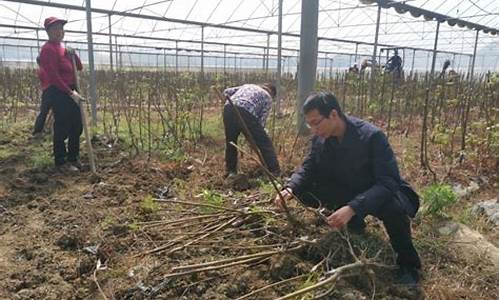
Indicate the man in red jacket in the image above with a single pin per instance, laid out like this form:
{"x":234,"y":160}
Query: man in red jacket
{"x":59,"y":84}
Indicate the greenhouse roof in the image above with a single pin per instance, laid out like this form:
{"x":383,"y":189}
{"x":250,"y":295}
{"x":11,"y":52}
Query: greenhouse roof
{"x":343,"y":25}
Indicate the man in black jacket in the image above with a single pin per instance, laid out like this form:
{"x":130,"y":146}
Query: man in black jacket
{"x":351,"y":169}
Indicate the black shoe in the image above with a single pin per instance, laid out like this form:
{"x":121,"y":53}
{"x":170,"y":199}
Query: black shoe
{"x":67,"y":168}
{"x":407,"y":276}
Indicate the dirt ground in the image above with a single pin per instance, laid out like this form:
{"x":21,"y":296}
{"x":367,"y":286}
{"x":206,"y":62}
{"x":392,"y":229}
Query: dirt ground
{"x":82,"y":236}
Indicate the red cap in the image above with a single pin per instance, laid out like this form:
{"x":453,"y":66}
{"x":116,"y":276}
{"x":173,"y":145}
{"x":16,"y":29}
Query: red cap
{"x":51,"y":21}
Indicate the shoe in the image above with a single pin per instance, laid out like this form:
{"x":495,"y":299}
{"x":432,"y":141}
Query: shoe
{"x":67,"y":168}
{"x":77,"y":164}
{"x":407,"y":276}
{"x":231,"y":175}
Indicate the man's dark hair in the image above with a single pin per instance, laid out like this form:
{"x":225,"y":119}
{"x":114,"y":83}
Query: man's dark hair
{"x":324,"y":102}
{"x":270,"y":87}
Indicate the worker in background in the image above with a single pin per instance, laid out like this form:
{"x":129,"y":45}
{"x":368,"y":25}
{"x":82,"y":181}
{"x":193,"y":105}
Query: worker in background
{"x":59,"y":84}
{"x":254,"y":103}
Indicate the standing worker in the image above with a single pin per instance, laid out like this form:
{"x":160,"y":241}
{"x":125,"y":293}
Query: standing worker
{"x":254,"y":104}
{"x":60,"y":85}
{"x":352,"y":169}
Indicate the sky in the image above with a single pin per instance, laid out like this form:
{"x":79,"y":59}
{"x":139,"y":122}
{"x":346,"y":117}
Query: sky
{"x":345,"y":19}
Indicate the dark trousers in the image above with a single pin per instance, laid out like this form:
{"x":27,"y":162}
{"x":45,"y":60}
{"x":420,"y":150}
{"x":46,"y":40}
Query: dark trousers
{"x":395,"y":219}
{"x":233,"y":129}
{"x":67,"y":125}
{"x":45,"y":107}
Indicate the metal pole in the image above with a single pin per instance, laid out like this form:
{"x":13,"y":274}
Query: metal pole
{"x":413,"y":61}
{"x":224,"y":58}
{"x":356,"y":54}
{"x":110,"y":44}
{"x":202,"y":52}
{"x":93,"y":92}
{"x":267,"y":50}
{"x":164,"y":60}
{"x":308,"y":56}
{"x":374,"y":55}
{"x":278,"y":79}
{"x":427,"y":62}
{"x":120,"y":56}
{"x":116,"y":51}
{"x":38,"y":42}
{"x":434,"y":51}
{"x":331,"y":68}
{"x":176,"y":57}
{"x":264,"y":59}
{"x":474,"y":57}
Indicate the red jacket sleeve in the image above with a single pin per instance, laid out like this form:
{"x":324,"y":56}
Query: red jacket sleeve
{"x":49,"y":60}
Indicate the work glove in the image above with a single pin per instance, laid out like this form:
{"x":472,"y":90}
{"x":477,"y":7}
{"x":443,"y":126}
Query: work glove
{"x":76,"y":97}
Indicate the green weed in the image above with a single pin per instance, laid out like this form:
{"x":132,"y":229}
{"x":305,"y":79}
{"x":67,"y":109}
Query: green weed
{"x":149,"y":205}
{"x":436,"y":198}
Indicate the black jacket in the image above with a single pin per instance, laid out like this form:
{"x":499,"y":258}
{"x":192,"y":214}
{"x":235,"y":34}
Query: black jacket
{"x":361,"y":172}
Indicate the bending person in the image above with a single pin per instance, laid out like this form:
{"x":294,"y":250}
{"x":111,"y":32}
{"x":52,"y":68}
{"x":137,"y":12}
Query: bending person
{"x":254,"y":104}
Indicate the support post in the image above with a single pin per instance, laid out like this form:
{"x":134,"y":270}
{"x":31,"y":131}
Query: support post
{"x":225,"y":58}
{"x":278,"y":75}
{"x":413,"y":61}
{"x":267,"y":55}
{"x":474,"y":57}
{"x":202,"y":52}
{"x":356,"y":54}
{"x":164,"y":60}
{"x":110,"y":44}
{"x":38,"y":41}
{"x":176,"y":57}
{"x":308,"y":57}
{"x":434,"y":51}
{"x":374,"y":55}
{"x":92,"y":81}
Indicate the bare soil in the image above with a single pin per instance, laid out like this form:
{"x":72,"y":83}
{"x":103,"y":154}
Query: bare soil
{"x":82,"y":236}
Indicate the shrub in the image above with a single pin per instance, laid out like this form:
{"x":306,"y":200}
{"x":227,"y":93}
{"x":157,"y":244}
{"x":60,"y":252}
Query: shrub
{"x":436,"y":198}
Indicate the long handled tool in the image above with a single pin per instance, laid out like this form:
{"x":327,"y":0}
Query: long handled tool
{"x":90,"y":151}
{"x":274,"y":181}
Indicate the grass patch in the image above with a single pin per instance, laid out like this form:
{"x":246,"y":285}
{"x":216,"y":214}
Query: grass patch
{"x":41,"y":160}
{"x":149,"y":205}
{"x":213,"y":126}
{"x":211,"y":198}
{"x":6,"y":152}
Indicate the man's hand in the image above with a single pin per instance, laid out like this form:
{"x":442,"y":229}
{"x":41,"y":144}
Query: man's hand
{"x":70,"y":51}
{"x":285,"y":195}
{"x":76,"y":97}
{"x":340,"y":217}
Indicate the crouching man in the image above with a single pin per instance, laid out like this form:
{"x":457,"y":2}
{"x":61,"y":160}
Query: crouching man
{"x":351,"y":169}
